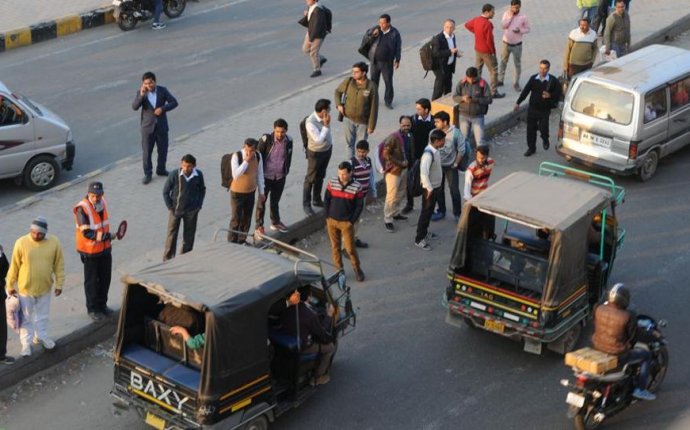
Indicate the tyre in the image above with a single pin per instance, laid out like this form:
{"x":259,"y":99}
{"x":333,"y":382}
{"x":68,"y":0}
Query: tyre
{"x":586,"y":421}
{"x":571,"y":337}
{"x":174,"y":8}
{"x":648,"y":168}
{"x":41,"y":173}
{"x":126,"y":21}
{"x":658,"y":372}
{"x":258,"y":423}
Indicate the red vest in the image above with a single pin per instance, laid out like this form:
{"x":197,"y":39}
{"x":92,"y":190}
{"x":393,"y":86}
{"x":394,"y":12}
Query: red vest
{"x":100,"y":225}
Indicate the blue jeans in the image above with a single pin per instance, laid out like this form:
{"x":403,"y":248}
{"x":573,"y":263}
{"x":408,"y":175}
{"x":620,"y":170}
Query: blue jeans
{"x":477,"y":124}
{"x":157,"y":9}
{"x":353,"y":132}
{"x":588,"y":13}
{"x":644,"y":355}
{"x":620,"y":49}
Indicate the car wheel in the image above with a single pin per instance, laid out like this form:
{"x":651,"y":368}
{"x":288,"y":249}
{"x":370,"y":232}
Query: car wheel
{"x":41,"y":173}
{"x":648,"y":168}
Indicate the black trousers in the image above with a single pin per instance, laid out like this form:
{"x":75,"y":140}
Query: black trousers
{"x":273,"y":188}
{"x":443,"y":84}
{"x":451,"y":177}
{"x":189,"y":231}
{"x":97,"y":272}
{"x":158,"y":139}
{"x":242,"y":207}
{"x":317,"y":163}
{"x":428,"y":204}
{"x":537,"y":120}
{"x":386,"y":68}
{"x":3,"y":323}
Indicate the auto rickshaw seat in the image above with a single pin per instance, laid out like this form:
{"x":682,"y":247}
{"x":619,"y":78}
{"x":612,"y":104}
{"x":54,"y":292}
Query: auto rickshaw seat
{"x":147,"y":358}
{"x":183,"y":375}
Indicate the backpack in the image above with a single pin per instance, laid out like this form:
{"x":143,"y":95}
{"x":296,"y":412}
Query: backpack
{"x":426,"y":55}
{"x":226,"y":168}
{"x":414,"y":177}
{"x":329,"y":18}
{"x":303,"y":132}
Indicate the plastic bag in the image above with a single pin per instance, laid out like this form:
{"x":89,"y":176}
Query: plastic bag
{"x":13,"y":312}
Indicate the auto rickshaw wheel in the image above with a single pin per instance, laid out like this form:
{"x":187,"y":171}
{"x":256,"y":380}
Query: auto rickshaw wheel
{"x":586,"y":420}
{"x":568,"y":341}
{"x":258,"y":423}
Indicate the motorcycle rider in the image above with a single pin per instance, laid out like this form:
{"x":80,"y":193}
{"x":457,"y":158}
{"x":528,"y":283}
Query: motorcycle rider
{"x":615,"y":329}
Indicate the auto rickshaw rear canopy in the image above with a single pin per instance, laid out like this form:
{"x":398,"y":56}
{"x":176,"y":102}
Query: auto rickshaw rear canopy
{"x":234,"y":286}
{"x":564,"y":206}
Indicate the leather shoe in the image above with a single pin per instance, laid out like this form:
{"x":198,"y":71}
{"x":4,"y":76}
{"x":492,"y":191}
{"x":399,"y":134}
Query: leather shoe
{"x":389,"y":106}
{"x":360,"y":244}
{"x":96,"y":316}
{"x":162,"y":173}
{"x":499,"y":83}
{"x":308,"y":211}
{"x":315,"y":74}
{"x":146,"y":180}
{"x":407,"y":210}
{"x":546,"y":145}
{"x":323,"y":61}
{"x":317,"y":203}
{"x":498,"y":96}
{"x":359,"y":275}
{"x":529,"y":152}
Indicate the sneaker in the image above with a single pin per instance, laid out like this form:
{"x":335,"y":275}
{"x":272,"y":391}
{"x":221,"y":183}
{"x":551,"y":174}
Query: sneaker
{"x":437,"y":216}
{"x":315,"y":74}
{"x":279,"y":227}
{"x":389,"y":227}
{"x":407,"y":209}
{"x":260,"y":230}
{"x":7,"y":360}
{"x":423,"y":245}
{"x":158,"y":26}
{"x":400,"y":218}
{"x":498,"y":96}
{"x":47,"y":343}
{"x":360,"y":244}
{"x":359,"y":275}
{"x":96,"y":316}
{"x":643,"y":395}
{"x":26,"y":351}
{"x":431,"y":236}
{"x":146,"y":180}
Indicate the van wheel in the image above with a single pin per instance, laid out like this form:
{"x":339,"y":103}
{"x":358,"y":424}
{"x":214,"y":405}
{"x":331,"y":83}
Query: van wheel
{"x":41,"y":173}
{"x":651,"y":162}
{"x":258,"y":423}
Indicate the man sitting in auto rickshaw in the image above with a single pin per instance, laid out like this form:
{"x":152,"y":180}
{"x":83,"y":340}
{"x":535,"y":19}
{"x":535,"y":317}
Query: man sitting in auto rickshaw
{"x":193,"y":342}
{"x":314,"y":336}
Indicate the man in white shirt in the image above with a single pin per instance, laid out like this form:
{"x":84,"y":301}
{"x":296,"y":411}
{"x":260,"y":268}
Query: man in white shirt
{"x":430,"y":174}
{"x":319,"y":149}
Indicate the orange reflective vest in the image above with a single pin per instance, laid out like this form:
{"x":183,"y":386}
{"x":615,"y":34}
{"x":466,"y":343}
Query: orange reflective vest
{"x":100,"y":225}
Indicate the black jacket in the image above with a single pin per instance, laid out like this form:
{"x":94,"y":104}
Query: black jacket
{"x":420,"y":136}
{"x":441,"y":52}
{"x":534,"y":87}
{"x":265,"y":146}
{"x":316,"y":26}
{"x":4,"y":267}
{"x":182,"y":196}
{"x":389,"y":46}
{"x":310,"y":328}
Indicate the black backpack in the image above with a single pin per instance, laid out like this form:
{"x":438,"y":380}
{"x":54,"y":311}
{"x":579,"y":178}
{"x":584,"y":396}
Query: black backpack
{"x":226,"y":168}
{"x":414,"y":177}
{"x":329,"y":18}
{"x":426,"y":55}
{"x":303,"y":132}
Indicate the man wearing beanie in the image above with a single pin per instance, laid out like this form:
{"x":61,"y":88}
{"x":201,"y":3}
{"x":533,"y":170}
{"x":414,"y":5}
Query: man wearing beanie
{"x":37,"y":263}
{"x":92,"y":237}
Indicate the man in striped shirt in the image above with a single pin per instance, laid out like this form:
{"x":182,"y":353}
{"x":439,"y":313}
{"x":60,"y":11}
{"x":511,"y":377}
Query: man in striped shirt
{"x":343,"y":202}
{"x":478,"y":173}
{"x":363,"y":172}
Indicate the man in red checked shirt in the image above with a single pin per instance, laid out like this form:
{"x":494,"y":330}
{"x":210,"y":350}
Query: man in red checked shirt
{"x":484,"y":47}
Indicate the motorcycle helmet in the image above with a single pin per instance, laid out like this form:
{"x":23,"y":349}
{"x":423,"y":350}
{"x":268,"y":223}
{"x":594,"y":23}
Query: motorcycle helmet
{"x":619,"y":295}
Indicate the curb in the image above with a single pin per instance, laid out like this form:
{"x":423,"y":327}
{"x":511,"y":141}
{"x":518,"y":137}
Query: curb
{"x":95,"y":333}
{"x":55,"y":28}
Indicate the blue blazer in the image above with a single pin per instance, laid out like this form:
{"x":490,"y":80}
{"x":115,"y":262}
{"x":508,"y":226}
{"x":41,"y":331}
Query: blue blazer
{"x":149,"y":120}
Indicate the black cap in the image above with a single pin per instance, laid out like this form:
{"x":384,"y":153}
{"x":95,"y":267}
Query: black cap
{"x":96,"y":188}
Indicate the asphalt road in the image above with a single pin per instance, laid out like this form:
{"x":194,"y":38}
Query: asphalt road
{"x":404,"y":368}
{"x":219,"y":58}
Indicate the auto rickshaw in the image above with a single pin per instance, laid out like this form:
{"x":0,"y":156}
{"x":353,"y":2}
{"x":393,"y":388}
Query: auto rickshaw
{"x":247,"y":372}
{"x":533,"y":254}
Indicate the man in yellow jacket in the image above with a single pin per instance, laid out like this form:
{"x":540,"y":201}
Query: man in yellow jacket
{"x":37,"y":263}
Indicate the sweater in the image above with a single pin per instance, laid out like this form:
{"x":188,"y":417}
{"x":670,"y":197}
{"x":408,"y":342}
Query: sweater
{"x":182,"y":195}
{"x":33,"y":265}
{"x":344,"y":202}
{"x":361,"y":101}
{"x":617,"y":30}
{"x":535,"y":87}
{"x":430,"y":172}
{"x":480,"y":97}
{"x":483,"y":31}
{"x":319,"y":137}
{"x":581,"y":48}
{"x":587,"y":3}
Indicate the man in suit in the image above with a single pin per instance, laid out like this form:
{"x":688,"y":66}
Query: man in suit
{"x":445,"y":51}
{"x":155,"y":101}
{"x":315,"y":21}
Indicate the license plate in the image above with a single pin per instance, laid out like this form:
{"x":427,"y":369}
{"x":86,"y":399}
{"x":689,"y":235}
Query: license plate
{"x":575,"y":400}
{"x":595,"y":140}
{"x":496,"y":326}
{"x":117,"y":2}
{"x":154,"y":421}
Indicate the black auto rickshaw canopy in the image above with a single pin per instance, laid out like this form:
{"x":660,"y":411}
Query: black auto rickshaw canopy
{"x":233,"y":286}
{"x":564,"y":206}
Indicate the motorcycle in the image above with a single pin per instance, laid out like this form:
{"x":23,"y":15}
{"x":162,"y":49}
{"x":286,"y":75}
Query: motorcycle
{"x":596,"y":397}
{"x":129,"y":12}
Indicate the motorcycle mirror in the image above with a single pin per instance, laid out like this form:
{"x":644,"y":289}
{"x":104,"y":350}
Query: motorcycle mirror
{"x":662,"y":323}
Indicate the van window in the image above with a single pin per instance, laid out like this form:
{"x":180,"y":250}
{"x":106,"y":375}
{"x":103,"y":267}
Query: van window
{"x":602,"y":102}
{"x":10,"y":113}
{"x":679,"y":94}
{"x":655,"y":105}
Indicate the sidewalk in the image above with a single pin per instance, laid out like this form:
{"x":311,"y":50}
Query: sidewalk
{"x":146,"y":214}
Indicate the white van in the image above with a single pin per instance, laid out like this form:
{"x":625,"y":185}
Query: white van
{"x":625,"y":115}
{"x":35,"y":143}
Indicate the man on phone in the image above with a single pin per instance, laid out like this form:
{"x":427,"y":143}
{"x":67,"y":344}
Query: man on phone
{"x":247,"y":178}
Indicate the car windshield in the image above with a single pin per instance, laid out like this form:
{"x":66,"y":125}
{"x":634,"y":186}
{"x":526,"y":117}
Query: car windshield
{"x":27,"y":101}
{"x":599,"y":101}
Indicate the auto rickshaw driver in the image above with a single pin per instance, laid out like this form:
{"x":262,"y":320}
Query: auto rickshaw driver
{"x":301,"y":321}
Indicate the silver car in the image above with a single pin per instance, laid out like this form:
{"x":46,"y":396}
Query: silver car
{"x":35,"y":143}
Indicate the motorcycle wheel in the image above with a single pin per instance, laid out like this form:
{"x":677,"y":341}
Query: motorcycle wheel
{"x":659,"y":373}
{"x":126,"y":21}
{"x":585,"y":420}
{"x":174,"y":8}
